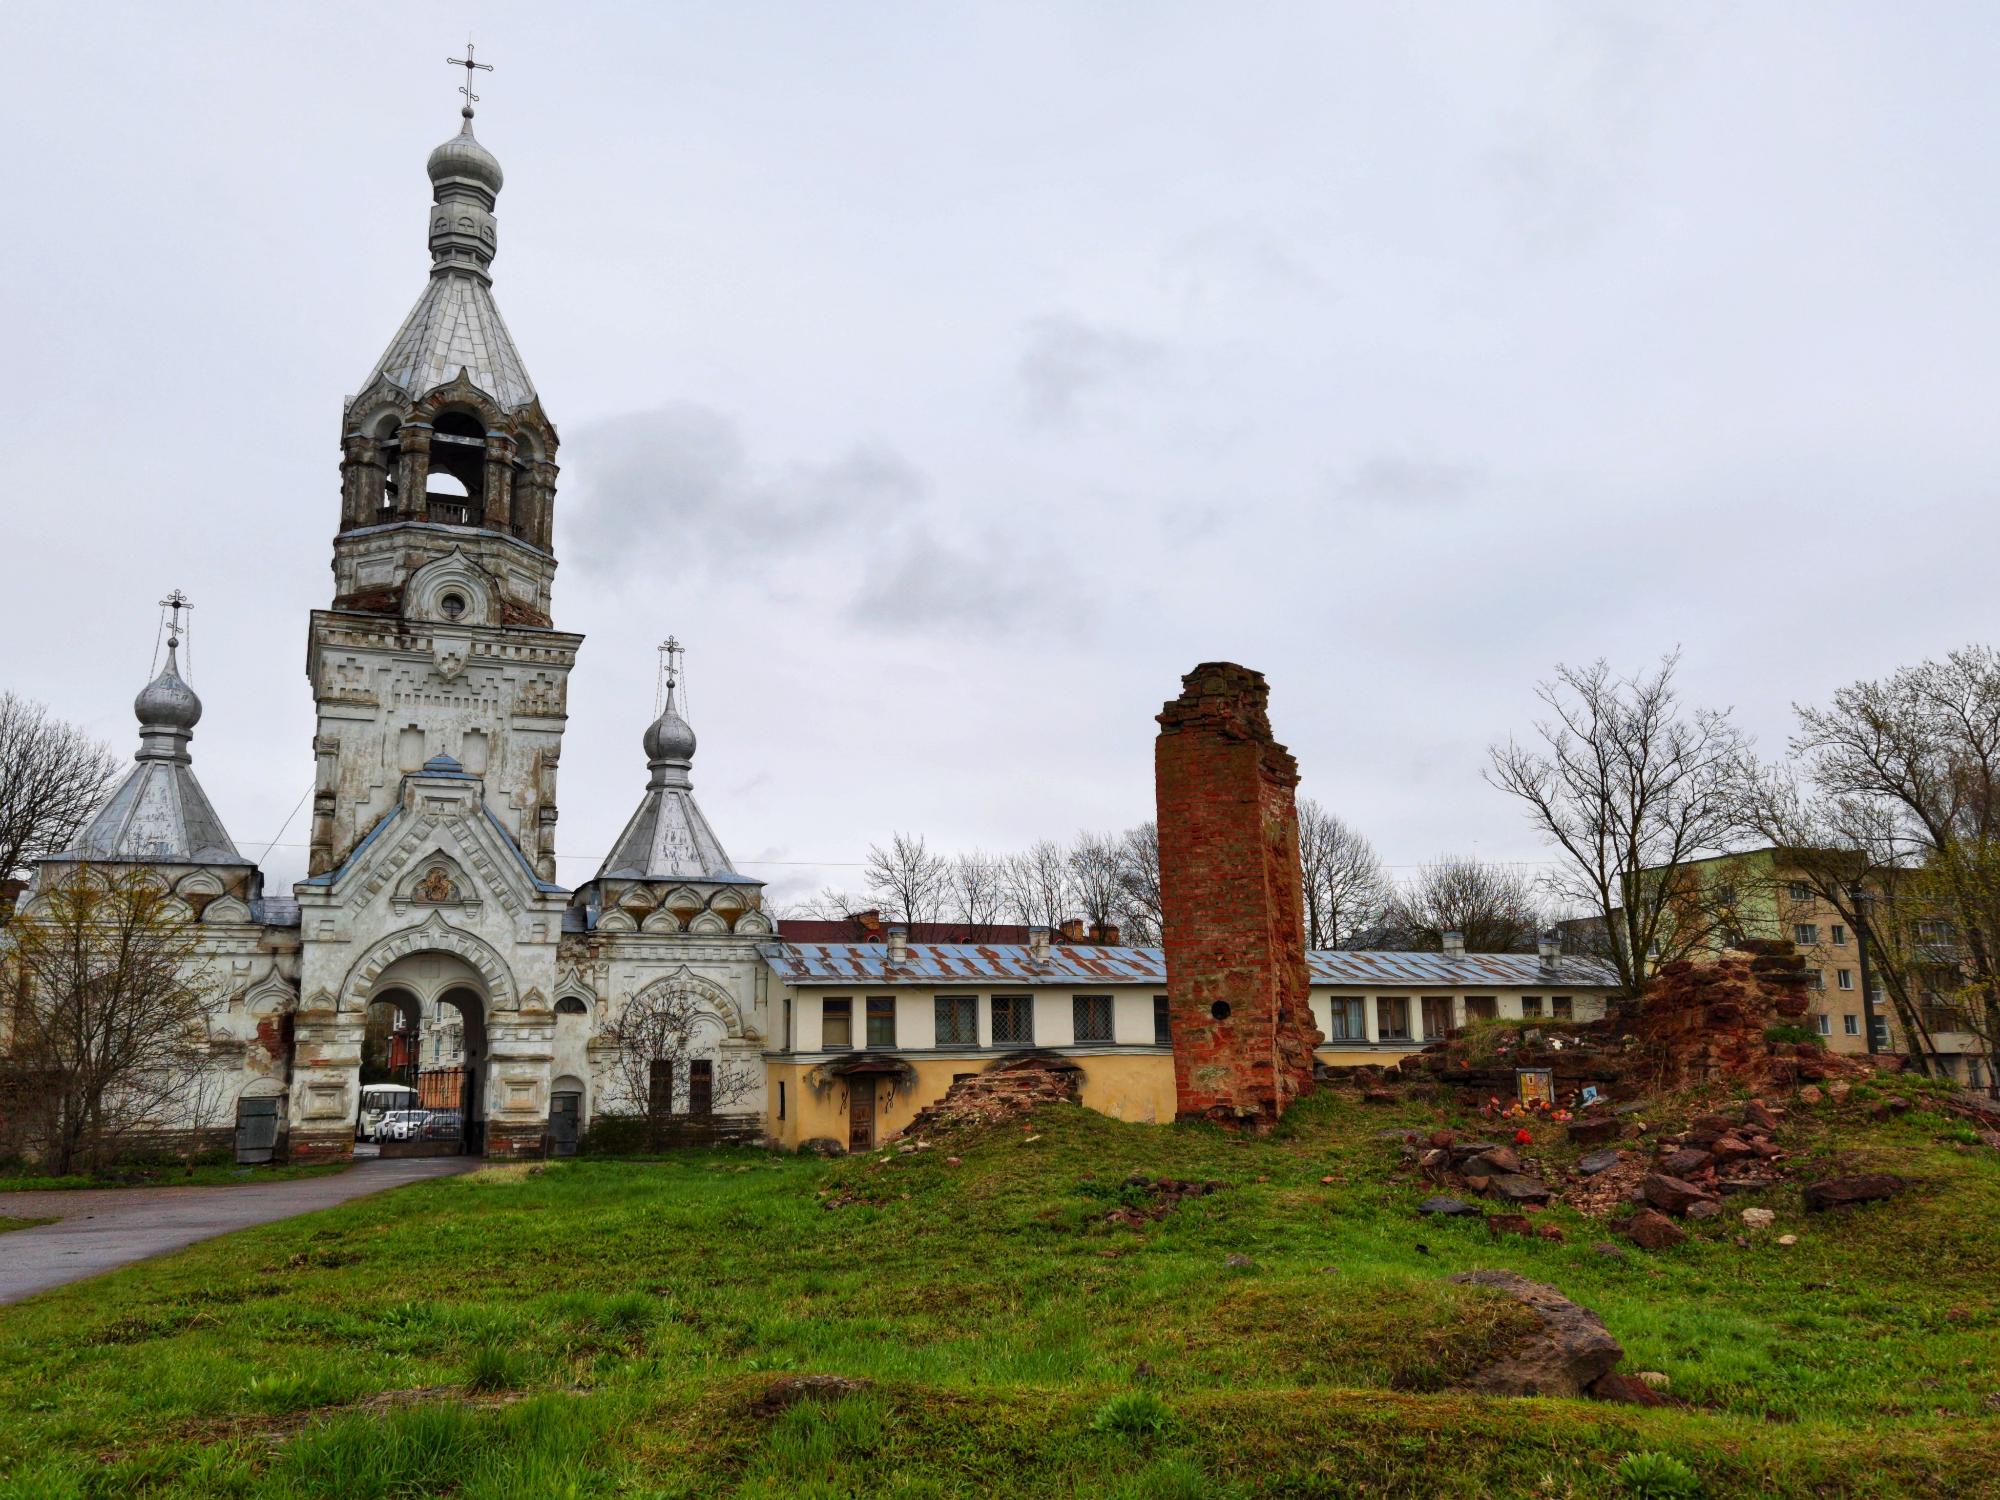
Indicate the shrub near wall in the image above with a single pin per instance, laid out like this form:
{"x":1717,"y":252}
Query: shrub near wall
{"x":635,"y":1135}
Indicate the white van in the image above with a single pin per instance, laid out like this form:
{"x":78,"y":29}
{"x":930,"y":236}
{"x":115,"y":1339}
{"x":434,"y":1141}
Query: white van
{"x":377,"y":1100}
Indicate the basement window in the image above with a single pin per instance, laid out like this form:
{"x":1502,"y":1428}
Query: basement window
{"x":1092,"y":1016}
{"x":836,"y":1025}
{"x":1013,"y":1020}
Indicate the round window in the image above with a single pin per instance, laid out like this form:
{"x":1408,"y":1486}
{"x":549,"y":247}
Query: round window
{"x":1220,"y":1010}
{"x":451,"y":606}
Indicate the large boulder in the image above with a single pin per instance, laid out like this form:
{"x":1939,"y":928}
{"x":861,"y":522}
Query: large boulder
{"x":1843,"y":1192}
{"x":1570,"y":1353}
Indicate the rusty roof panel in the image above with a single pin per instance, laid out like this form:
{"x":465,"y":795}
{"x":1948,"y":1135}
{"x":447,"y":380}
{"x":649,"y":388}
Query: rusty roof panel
{"x":1014,"y":963}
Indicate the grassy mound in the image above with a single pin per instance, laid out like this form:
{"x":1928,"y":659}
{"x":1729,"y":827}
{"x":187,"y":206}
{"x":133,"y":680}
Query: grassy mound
{"x":608,"y":1328}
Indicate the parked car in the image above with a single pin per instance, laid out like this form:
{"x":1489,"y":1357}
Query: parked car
{"x":403,"y":1125}
{"x":444,"y":1125}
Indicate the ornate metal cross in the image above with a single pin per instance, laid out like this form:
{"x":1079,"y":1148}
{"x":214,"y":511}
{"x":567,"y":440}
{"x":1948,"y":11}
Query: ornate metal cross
{"x":468,"y":64}
{"x":670,"y":650}
{"x":176,"y":601}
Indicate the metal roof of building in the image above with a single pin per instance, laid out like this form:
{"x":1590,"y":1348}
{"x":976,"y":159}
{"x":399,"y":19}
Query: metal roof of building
{"x":1014,"y":963}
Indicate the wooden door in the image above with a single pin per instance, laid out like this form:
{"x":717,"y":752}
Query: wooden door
{"x":861,"y":1114}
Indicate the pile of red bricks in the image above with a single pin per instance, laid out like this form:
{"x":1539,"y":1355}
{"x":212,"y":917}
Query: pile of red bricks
{"x":1004,"y":1093}
{"x":1701,"y":1023}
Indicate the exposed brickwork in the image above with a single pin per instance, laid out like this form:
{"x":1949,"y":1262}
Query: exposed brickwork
{"x":1701,"y":1022}
{"x":1233,"y":910}
{"x":512,"y":1142}
{"x":303,"y":1147}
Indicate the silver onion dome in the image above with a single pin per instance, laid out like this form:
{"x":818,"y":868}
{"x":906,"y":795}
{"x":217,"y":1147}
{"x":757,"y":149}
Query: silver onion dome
{"x":462,"y":157}
{"x":167,"y":704}
{"x":669,"y":738}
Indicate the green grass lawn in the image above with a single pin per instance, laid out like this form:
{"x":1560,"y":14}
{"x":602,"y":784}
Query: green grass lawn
{"x":165,"y":1174}
{"x":606,"y":1328}
{"x":8,"y":1221}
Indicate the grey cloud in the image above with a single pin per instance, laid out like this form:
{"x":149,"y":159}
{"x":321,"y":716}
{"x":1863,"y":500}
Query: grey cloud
{"x":1397,"y":479}
{"x":1067,"y":359}
{"x":920,"y":585}
{"x":677,"y":480}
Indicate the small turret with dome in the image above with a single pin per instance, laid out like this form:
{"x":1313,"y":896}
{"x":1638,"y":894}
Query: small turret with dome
{"x":159,"y":813}
{"x":668,"y":838}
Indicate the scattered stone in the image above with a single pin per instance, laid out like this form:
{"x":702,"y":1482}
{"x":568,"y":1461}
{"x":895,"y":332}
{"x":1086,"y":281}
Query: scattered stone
{"x":1651,"y":1230}
{"x":1477,"y":1183}
{"x":1838,"y":1090}
{"x":951,"y":1161}
{"x":1670,"y":1194}
{"x":1516,"y":1188}
{"x":1441,"y":1140}
{"x":1759,"y":1218}
{"x":1655,"y":1379}
{"x":1381,"y":1096}
{"x":1434,"y":1159}
{"x":1811,"y":1094}
{"x":1686,"y":1162}
{"x":1593,"y":1132}
{"x":1599,"y":1161}
{"x":1731,"y":1148}
{"x":1568,"y":1357}
{"x":1709,"y":1128}
{"x":1238,"y":1262}
{"x":1788,"y":1239}
{"x":790,"y":1390}
{"x":1403,"y":1136}
{"x":1495,"y":1163}
{"x":1450,"y":1207}
{"x":1760,"y":1115}
{"x":1842,"y":1192}
{"x":1630,"y":1389}
{"x":1707,"y":1208}
{"x":1499,"y":1224}
{"x":1896,"y":1104}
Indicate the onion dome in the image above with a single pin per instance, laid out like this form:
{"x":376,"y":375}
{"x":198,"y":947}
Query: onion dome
{"x":669,"y":739}
{"x":167,"y":705}
{"x":463,"y":158}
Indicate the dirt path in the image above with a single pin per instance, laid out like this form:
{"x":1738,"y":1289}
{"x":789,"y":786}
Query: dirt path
{"x":100,"y":1229}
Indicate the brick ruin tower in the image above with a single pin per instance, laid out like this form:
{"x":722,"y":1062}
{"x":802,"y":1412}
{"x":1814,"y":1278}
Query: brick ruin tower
{"x":1231,"y":902}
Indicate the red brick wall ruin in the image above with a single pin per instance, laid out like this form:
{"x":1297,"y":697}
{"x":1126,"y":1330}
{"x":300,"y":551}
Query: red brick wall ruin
{"x":1232,"y":905}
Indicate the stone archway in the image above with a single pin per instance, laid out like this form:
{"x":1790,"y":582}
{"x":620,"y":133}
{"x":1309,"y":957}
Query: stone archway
{"x":445,"y":996}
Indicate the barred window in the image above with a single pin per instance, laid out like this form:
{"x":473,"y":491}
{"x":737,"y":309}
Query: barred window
{"x":1013,"y":1020}
{"x":1093,"y":1017}
{"x":958,"y":1020}
{"x":1531,"y":1005}
{"x":1562,"y":1008}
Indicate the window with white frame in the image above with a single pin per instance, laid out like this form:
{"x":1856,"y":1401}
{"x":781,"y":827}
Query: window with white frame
{"x":1851,"y":1024}
{"x":1845,"y":978}
{"x":1092,"y":1017}
{"x":1824,"y":1022}
{"x":1838,"y":935}
{"x":1805,"y":934}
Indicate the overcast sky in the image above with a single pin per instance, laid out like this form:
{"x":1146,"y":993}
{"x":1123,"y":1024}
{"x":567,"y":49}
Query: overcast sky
{"x":951,"y":379}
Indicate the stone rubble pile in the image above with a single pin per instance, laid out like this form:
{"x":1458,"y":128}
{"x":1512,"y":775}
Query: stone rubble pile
{"x":1007,"y":1091}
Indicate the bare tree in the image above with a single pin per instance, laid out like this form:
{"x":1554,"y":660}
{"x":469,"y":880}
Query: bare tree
{"x":1139,"y":876}
{"x":53,"y":776}
{"x":1914,"y":760}
{"x":831,"y":904}
{"x":1346,"y":888}
{"x":906,"y":880}
{"x":654,"y":1043}
{"x":110,"y":1016}
{"x":1037,"y":884}
{"x":1491,"y":906}
{"x":1096,"y":883}
{"x":1629,"y":786}
{"x":973,"y":886}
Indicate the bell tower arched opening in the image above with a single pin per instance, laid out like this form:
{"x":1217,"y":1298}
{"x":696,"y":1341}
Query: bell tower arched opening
{"x":430,"y":1012}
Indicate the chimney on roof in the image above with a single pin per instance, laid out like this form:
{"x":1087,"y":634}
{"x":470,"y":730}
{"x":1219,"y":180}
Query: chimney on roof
{"x":1110,"y":934}
{"x":1038,"y":944}
{"x":1550,"y":947}
{"x":1072,"y":930}
{"x":1454,"y":944}
{"x":899,"y":945}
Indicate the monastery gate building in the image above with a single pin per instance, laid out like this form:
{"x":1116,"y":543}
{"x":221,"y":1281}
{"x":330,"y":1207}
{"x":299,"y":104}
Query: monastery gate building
{"x":440,"y":679}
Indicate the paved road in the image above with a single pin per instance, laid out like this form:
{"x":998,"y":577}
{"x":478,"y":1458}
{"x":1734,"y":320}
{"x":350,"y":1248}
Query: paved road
{"x":103,"y":1228}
